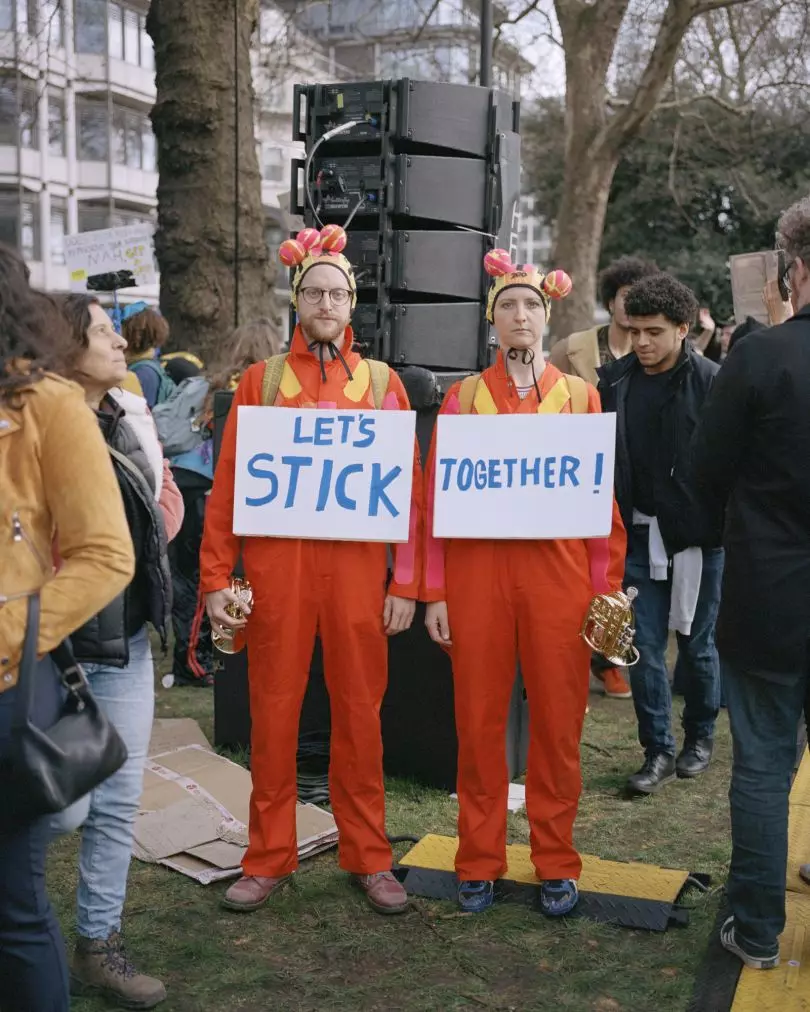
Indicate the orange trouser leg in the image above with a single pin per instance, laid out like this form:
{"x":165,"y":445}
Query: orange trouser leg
{"x":280,"y":640}
{"x":482,"y":627}
{"x":554,"y":663}
{"x":355,"y":661}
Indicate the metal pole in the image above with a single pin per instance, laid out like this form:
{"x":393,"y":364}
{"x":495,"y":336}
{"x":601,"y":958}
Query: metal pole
{"x":486,"y":44}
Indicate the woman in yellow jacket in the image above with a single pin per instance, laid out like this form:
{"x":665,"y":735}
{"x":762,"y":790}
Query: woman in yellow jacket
{"x":56,"y":486}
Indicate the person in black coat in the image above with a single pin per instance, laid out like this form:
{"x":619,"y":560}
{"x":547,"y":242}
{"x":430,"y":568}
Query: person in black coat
{"x":751,"y":457}
{"x":673,"y":554}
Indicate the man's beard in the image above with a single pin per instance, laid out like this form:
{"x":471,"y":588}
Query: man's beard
{"x":323,"y":331}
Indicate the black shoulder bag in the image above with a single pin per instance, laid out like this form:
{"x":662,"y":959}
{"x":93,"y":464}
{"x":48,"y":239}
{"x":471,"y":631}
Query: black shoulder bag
{"x":47,"y":770}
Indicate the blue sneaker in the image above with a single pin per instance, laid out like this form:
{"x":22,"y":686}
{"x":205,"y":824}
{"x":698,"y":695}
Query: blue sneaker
{"x":558,"y":896}
{"x":475,"y":897}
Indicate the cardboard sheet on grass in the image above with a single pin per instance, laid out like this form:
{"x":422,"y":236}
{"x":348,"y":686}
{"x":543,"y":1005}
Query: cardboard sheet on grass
{"x":194,"y":808}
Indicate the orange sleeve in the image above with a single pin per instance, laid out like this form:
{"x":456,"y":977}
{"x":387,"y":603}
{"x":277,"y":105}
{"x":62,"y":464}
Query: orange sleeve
{"x":432,"y":587}
{"x":408,"y":556}
{"x":607,"y":555}
{"x":220,"y":547}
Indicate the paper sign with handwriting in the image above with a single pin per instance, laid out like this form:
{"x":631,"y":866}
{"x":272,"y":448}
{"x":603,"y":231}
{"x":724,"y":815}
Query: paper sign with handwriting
{"x":323,"y":474}
{"x":524,"y":476}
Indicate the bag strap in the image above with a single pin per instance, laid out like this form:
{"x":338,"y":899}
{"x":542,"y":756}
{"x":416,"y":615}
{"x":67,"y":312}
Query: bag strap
{"x":578,"y":389}
{"x":273,"y":369}
{"x":466,"y":393}
{"x":26,"y":673}
{"x":380,"y":375}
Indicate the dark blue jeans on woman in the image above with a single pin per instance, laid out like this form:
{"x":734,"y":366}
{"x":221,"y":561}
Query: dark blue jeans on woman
{"x":697,"y":654}
{"x":33,"y":965}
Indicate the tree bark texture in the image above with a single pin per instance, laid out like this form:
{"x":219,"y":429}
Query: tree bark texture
{"x":210,"y":241}
{"x":595,"y":136}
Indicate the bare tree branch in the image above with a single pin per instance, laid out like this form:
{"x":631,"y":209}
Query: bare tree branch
{"x":683,"y":103}
{"x":433,"y":8}
{"x":714,"y":5}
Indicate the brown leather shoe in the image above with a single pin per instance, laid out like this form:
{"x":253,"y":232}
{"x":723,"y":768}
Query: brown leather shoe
{"x":383,"y":892}
{"x":252,"y":891}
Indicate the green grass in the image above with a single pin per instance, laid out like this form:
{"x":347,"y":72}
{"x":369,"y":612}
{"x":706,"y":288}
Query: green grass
{"x":319,"y":948}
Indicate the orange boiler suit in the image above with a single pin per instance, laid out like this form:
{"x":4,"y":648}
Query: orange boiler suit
{"x":526,"y":600}
{"x":302,"y":588}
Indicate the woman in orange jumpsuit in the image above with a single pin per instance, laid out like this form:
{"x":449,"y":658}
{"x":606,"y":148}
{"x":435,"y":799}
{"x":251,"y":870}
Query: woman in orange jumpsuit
{"x":301,"y":588}
{"x":492,"y":602}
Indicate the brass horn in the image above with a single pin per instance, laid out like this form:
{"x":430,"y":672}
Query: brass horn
{"x":609,"y":627}
{"x":232,"y":642}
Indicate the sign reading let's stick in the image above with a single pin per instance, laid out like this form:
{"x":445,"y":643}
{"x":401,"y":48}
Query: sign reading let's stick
{"x":524,"y":476}
{"x":323,"y":474}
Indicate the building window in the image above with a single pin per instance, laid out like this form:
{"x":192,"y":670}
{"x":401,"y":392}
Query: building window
{"x":115,"y":31}
{"x":272,"y":163}
{"x":29,"y":134}
{"x":147,"y":49}
{"x":53,"y":22}
{"x":20,"y":15}
{"x":29,"y":229}
{"x":133,"y":141}
{"x":131,"y":37}
{"x":56,"y":123}
{"x":121,"y":217}
{"x":8,"y":111}
{"x":56,"y":235}
{"x":93,"y":216}
{"x":90,"y":17}
{"x":92,"y":140}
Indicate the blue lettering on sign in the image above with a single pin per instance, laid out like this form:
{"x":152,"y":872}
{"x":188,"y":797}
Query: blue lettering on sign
{"x":525,"y":471}
{"x":448,"y":467}
{"x":549,"y":464}
{"x":547,"y":472}
{"x":480,"y":474}
{"x":295,"y":464}
{"x":326,"y":481}
{"x":256,"y":472}
{"x":465,"y":474}
{"x":379,"y":484}
{"x":568,"y":469}
{"x":340,"y":486}
{"x":366,"y":427}
{"x":323,"y":431}
{"x":297,"y":435}
{"x":494,"y":474}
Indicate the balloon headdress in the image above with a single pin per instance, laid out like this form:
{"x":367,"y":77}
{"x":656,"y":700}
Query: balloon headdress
{"x":311,"y":247}
{"x":498,"y":264}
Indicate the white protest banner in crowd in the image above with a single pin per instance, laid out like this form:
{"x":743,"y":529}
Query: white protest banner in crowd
{"x":524,"y":476}
{"x":318,"y":473}
{"x":108,"y":250}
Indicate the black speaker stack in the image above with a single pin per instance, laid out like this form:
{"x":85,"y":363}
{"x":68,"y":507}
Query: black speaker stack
{"x":427,"y":176}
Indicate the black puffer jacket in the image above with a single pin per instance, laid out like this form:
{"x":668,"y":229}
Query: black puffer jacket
{"x":105,"y":638}
{"x":684,"y":519}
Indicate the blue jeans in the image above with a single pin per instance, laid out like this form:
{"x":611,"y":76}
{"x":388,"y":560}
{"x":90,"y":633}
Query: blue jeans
{"x":697,"y":654}
{"x":127,"y":696}
{"x":764,"y":719}
{"x":33,"y":966}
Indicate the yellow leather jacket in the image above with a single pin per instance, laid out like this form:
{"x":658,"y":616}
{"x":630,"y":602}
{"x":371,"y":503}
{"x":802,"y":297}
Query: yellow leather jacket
{"x":58,"y":492}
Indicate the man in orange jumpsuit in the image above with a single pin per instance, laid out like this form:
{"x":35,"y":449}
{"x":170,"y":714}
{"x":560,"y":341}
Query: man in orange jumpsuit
{"x":306,"y":587}
{"x":493,"y":602}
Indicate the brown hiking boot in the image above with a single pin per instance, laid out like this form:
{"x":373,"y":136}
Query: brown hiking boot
{"x":252,"y":891}
{"x":102,"y":967}
{"x":383,"y":892}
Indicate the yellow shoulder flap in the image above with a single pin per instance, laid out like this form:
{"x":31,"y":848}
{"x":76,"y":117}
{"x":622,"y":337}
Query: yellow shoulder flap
{"x":578,"y":389}
{"x":466,"y":393}
{"x":380,"y":375}
{"x":273,"y":368}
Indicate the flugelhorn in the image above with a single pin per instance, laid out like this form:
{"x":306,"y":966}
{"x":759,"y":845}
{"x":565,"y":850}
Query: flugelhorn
{"x":232,"y":643}
{"x":609,"y":627}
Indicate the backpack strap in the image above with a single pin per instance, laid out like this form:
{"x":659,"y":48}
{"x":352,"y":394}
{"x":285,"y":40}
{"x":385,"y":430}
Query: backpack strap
{"x":578,"y":389}
{"x":273,"y":368}
{"x":466,"y":393}
{"x":380,"y":375}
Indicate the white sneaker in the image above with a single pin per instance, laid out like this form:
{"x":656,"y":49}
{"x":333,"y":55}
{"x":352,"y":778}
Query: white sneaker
{"x":729,"y":942}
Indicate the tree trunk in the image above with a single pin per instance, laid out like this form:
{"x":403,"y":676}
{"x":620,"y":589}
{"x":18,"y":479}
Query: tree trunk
{"x":210,"y":242}
{"x":580,"y":224}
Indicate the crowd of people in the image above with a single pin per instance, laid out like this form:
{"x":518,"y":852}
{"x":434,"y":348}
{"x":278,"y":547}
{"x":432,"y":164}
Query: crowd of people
{"x":711,"y":525}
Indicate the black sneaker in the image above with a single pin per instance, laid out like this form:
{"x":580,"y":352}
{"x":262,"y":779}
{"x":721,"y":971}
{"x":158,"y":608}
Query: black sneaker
{"x":729,"y":941}
{"x":658,"y":769}
{"x":694,"y":757}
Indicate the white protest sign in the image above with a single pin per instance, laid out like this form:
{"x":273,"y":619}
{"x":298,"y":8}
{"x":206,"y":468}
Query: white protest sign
{"x":524,"y":476}
{"x":321,"y":473}
{"x":106,"y":250}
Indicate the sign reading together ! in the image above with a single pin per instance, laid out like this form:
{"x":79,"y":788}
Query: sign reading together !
{"x":323,"y":474}
{"x":524,"y":476}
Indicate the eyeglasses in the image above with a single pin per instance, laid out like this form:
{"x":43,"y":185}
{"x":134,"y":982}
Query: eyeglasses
{"x":337,"y":296}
